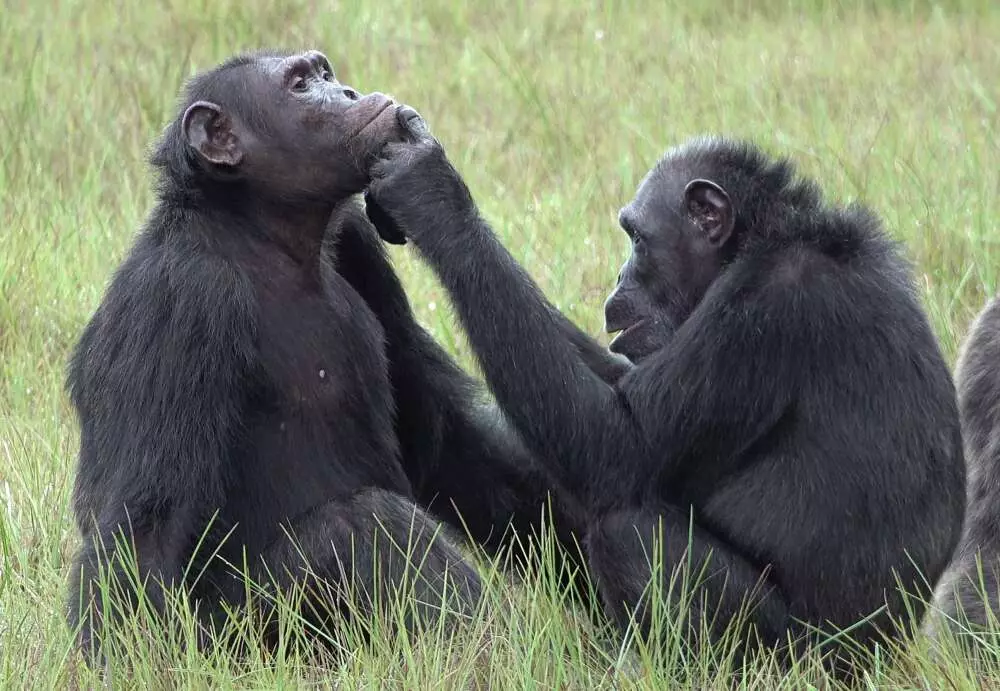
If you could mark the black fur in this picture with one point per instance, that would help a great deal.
(464, 461)
(788, 396)
(970, 592)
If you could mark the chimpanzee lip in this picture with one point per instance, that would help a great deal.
(384, 107)
(624, 333)
(620, 327)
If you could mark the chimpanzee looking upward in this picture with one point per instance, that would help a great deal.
(246, 361)
(788, 394)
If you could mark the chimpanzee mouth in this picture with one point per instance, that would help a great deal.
(622, 332)
(381, 108)
(613, 325)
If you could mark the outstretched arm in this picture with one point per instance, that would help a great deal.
(567, 414)
(464, 461)
(571, 418)
(158, 381)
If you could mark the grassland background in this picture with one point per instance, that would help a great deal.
(553, 111)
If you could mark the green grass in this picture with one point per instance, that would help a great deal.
(553, 111)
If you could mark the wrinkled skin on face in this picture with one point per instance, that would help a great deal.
(680, 228)
(251, 119)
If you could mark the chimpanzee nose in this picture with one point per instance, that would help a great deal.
(351, 94)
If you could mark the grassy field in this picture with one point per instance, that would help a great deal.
(553, 111)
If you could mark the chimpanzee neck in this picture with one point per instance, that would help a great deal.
(295, 228)
(298, 231)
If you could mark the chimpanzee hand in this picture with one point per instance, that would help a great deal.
(413, 183)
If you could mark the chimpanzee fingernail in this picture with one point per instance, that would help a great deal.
(412, 121)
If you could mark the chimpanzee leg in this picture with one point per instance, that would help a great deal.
(698, 572)
(360, 556)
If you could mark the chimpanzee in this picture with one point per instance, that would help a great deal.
(789, 411)
(969, 594)
(254, 389)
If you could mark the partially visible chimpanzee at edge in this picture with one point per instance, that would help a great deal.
(251, 370)
(788, 396)
(969, 594)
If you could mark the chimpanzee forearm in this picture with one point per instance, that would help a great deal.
(368, 553)
(609, 366)
(563, 410)
(464, 462)
(360, 257)
(628, 549)
(120, 554)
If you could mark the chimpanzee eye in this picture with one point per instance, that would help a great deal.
(299, 84)
(327, 76)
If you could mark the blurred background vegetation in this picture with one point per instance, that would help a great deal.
(553, 111)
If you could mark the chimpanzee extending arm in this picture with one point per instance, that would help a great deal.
(789, 413)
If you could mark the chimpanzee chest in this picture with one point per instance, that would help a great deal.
(320, 427)
(323, 353)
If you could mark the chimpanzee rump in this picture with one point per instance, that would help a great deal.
(789, 410)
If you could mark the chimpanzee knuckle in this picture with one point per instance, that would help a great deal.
(399, 148)
(424, 148)
(420, 156)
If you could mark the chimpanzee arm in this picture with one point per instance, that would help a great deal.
(723, 381)
(569, 416)
(371, 275)
(465, 462)
(159, 380)
(609, 366)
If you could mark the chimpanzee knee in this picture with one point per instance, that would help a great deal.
(651, 564)
(374, 554)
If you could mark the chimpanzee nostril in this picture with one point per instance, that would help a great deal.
(352, 94)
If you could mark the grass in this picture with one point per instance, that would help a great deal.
(553, 111)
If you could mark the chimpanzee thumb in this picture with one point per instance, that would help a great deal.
(412, 123)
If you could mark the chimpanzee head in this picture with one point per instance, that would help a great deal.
(681, 226)
(279, 125)
(705, 205)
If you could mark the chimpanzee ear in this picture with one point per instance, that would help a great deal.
(209, 131)
(709, 207)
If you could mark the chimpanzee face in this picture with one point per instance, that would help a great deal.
(678, 224)
(284, 124)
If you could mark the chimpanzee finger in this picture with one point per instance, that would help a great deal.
(412, 123)
(386, 227)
